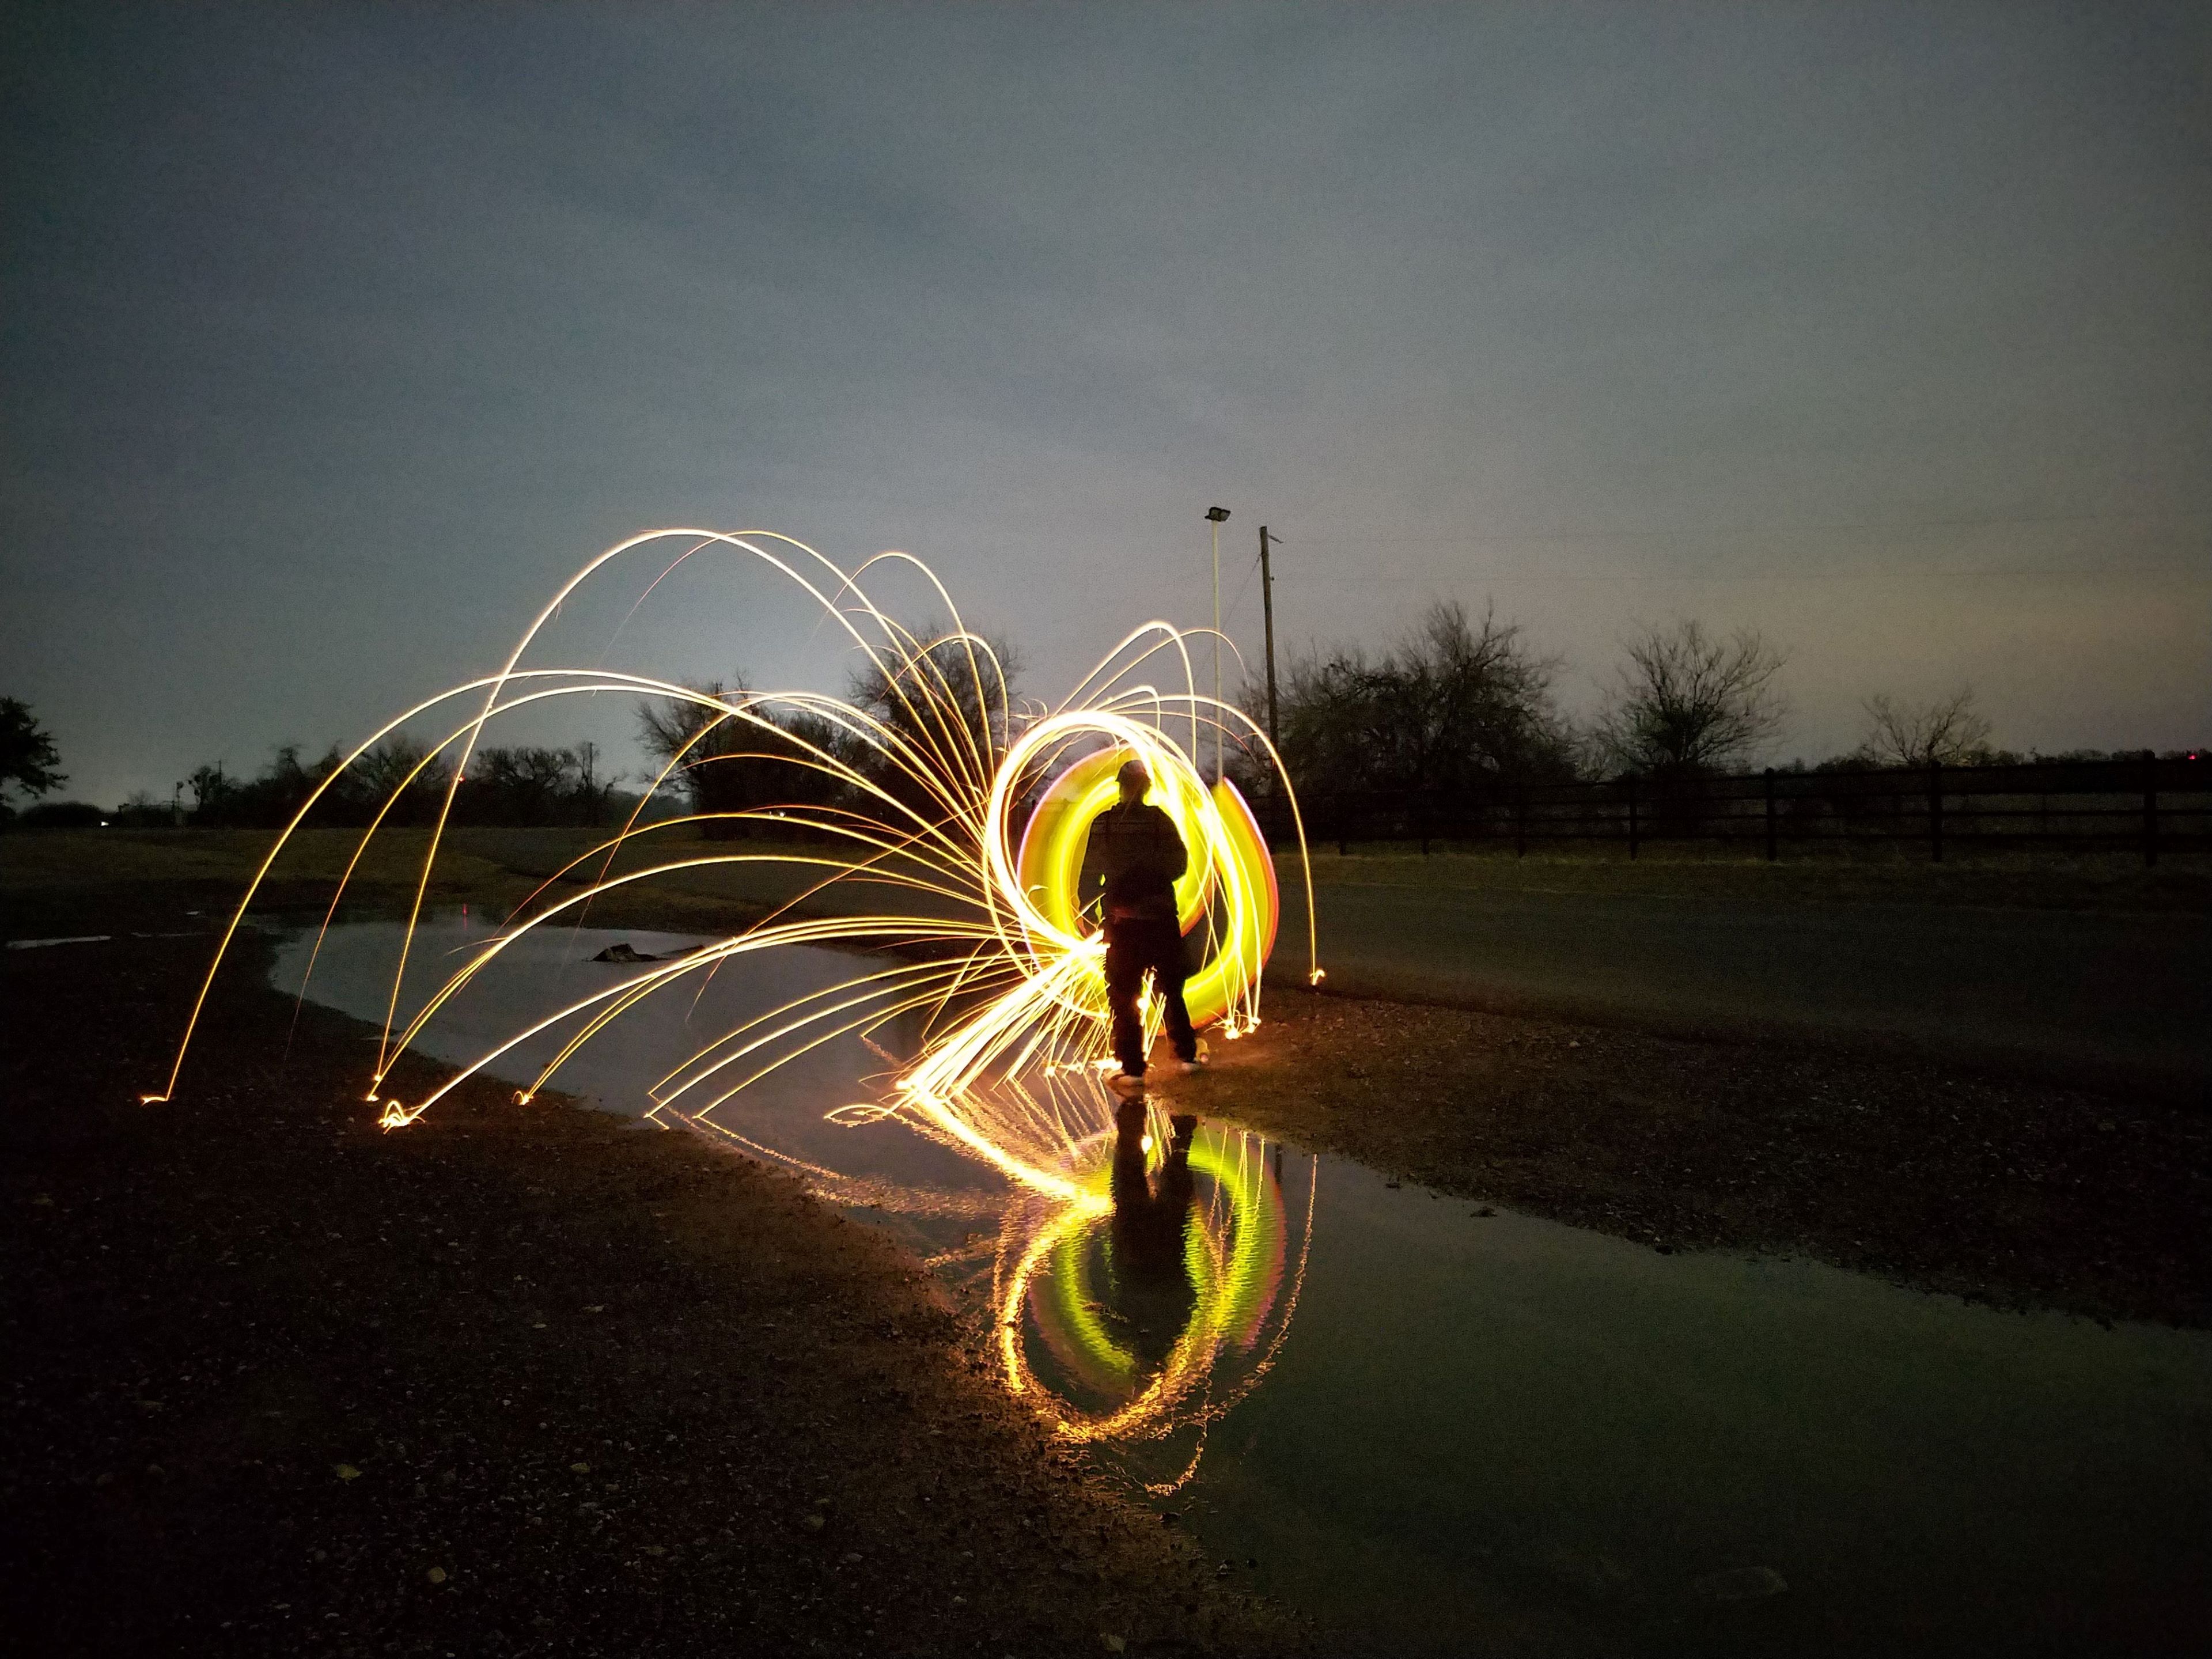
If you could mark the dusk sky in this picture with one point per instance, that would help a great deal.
(335, 337)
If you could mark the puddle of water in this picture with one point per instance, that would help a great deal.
(550, 967)
(1508, 1435)
(1444, 1433)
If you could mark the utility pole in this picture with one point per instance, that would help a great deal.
(1216, 516)
(1268, 610)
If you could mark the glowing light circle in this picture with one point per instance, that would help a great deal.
(1227, 895)
(1234, 1257)
(921, 801)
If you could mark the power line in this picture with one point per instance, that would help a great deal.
(1463, 537)
(1243, 589)
(2170, 574)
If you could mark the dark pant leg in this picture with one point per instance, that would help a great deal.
(1168, 976)
(1126, 963)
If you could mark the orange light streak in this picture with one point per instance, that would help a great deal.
(970, 876)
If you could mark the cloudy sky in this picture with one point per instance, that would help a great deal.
(333, 338)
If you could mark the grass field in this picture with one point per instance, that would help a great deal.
(494, 868)
(2099, 881)
(503, 866)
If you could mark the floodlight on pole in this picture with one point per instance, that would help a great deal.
(1216, 516)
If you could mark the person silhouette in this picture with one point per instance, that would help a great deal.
(1153, 1298)
(1131, 863)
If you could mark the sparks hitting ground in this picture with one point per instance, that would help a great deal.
(971, 814)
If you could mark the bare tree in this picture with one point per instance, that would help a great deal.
(1460, 703)
(1687, 703)
(524, 785)
(1473, 704)
(1449, 721)
(390, 769)
(1948, 731)
(709, 747)
(209, 787)
(947, 705)
(730, 765)
(28, 758)
(1325, 722)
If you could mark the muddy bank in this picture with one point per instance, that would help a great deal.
(513, 1380)
(2008, 1192)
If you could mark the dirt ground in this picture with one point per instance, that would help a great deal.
(535, 1381)
(1992, 1189)
(513, 1380)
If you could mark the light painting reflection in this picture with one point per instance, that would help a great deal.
(937, 835)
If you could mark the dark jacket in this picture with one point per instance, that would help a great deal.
(1133, 858)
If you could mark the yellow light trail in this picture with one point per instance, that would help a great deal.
(963, 817)
(1235, 1259)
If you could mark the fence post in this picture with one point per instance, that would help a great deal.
(2150, 810)
(1773, 853)
(1632, 815)
(1936, 810)
(1521, 822)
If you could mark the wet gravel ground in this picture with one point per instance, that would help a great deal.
(2097, 1203)
(514, 1380)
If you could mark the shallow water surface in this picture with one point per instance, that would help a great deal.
(550, 967)
(1508, 1435)
(1448, 1432)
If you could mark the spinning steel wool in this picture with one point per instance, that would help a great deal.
(939, 830)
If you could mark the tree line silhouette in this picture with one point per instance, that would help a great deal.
(517, 785)
(1455, 717)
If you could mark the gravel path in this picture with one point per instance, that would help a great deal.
(2097, 1202)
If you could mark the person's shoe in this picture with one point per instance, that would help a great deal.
(1128, 1084)
(1185, 1067)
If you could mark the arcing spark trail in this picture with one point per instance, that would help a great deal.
(963, 817)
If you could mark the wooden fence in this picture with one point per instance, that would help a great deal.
(2150, 805)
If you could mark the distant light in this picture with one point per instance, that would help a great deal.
(1217, 514)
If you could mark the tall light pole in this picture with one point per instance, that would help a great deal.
(1216, 516)
(1268, 610)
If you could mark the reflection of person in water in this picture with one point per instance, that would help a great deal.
(1153, 1295)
